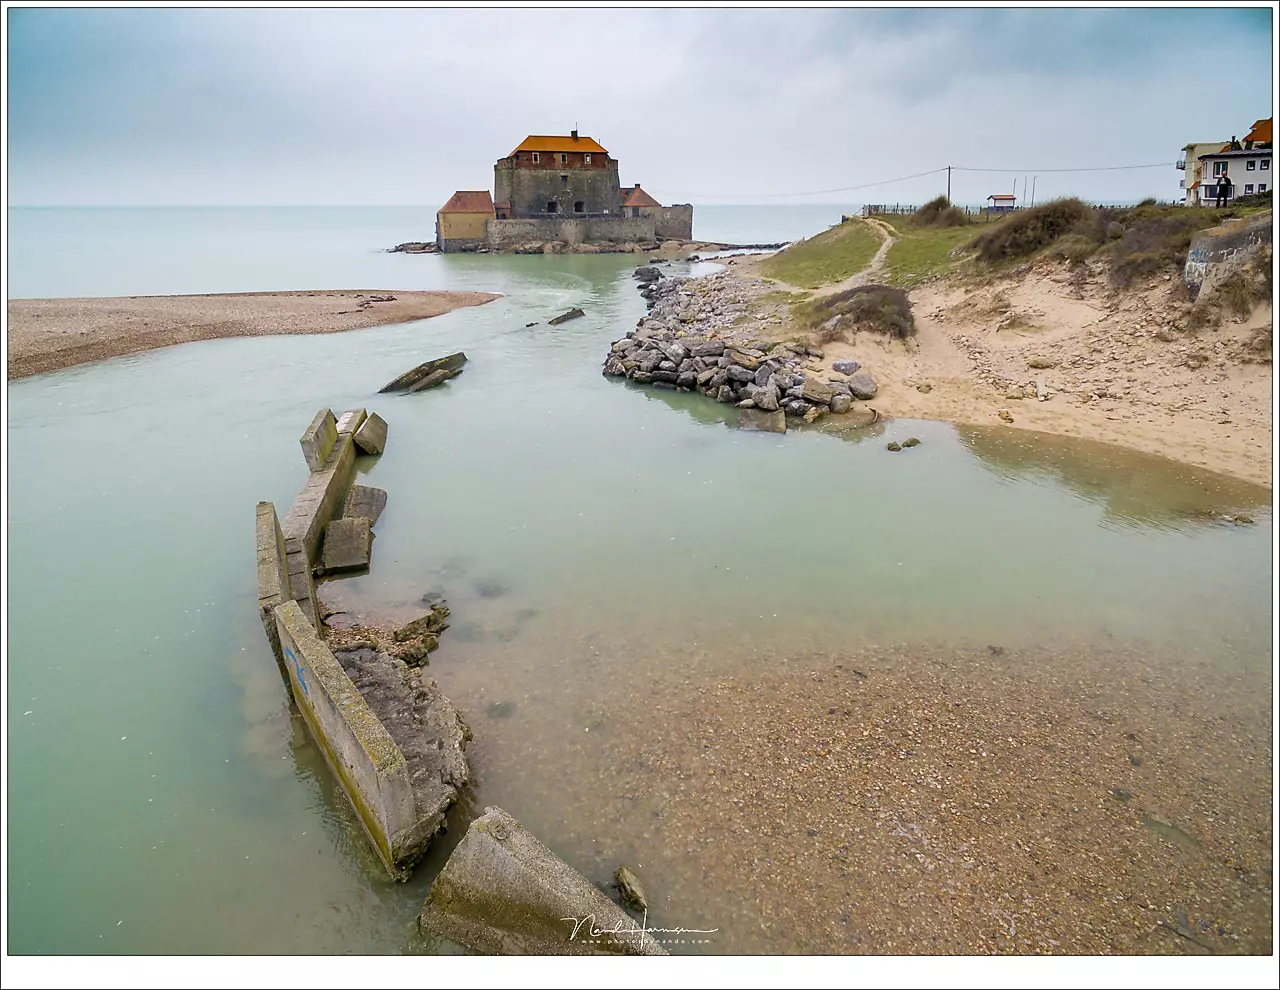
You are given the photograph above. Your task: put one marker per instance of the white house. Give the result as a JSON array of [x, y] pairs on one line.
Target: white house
[[1246, 164], [1190, 163], [1001, 203]]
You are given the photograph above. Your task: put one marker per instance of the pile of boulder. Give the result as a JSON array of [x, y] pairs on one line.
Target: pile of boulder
[[673, 349]]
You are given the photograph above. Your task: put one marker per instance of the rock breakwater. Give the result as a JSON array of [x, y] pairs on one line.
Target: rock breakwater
[[702, 334]]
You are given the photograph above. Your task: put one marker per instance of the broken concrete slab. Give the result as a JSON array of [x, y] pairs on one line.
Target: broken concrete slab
[[351, 420], [438, 377], [451, 362], [366, 502], [319, 439], [503, 892], [573, 314], [371, 438], [347, 544]]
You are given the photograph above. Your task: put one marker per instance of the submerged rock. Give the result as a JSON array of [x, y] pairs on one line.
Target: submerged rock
[[911, 442], [629, 887], [894, 446], [502, 892], [762, 420]]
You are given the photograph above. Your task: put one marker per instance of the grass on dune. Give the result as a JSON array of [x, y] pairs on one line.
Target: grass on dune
[[825, 258]]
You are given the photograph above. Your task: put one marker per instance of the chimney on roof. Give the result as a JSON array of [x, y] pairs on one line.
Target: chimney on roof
[[637, 185], [574, 132]]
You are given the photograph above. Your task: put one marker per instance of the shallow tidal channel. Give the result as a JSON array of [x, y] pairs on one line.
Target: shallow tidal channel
[[654, 620]]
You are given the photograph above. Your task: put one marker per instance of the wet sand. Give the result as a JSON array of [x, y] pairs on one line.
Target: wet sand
[[905, 800], [50, 334]]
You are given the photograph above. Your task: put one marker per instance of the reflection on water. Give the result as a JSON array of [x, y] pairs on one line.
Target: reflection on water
[[604, 549], [1135, 488]]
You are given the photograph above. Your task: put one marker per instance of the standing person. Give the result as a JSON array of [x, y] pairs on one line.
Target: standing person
[[1224, 190]]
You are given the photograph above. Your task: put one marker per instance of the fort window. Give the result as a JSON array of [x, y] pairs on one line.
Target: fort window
[[564, 159], [536, 158], [552, 207], [577, 207], [586, 159], [564, 181]]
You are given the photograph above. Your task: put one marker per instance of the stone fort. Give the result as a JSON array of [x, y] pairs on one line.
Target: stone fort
[[558, 189]]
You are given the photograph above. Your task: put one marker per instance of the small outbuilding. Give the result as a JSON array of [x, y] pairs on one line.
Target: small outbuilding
[[461, 222], [1002, 203]]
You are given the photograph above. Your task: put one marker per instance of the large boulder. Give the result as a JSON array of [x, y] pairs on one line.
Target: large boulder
[[451, 362], [503, 892], [863, 386], [762, 420], [845, 367], [817, 391]]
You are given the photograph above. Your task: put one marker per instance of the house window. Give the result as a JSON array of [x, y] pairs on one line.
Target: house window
[[586, 159], [564, 159], [1266, 164], [1251, 164], [635, 211], [552, 207], [578, 207], [1262, 187], [1248, 189], [564, 181], [1220, 168]]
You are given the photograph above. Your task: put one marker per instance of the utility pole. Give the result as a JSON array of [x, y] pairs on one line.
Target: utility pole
[[1033, 189], [948, 185]]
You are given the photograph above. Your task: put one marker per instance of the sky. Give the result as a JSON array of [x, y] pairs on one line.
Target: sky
[[746, 105]]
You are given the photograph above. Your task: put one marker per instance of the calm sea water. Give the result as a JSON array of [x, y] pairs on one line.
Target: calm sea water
[[161, 797]]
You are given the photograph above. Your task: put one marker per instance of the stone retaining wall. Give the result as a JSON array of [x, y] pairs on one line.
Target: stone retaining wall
[[1218, 250], [503, 233]]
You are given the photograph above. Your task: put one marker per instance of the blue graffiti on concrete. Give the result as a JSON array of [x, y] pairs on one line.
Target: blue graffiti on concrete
[[299, 670]]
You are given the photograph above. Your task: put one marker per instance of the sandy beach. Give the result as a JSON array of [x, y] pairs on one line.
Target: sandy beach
[[1119, 368], [50, 334]]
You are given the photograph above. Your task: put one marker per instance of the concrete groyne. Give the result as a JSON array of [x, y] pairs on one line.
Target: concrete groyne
[[399, 790]]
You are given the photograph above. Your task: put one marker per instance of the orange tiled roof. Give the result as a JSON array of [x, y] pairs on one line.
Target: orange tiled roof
[[558, 142], [1261, 133], [638, 197], [469, 201]]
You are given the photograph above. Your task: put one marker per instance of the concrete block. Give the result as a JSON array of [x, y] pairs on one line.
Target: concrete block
[[437, 377], [503, 892], [319, 439], [273, 575], [450, 362], [351, 420], [371, 438], [367, 502], [322, 498], [368, 764], [347, 544]]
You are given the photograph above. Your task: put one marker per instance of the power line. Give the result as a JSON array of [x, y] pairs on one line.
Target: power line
[[1101, 168], [921, 175], [819, 192]]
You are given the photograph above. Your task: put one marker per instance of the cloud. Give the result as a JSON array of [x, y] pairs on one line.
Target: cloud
[[406, 105]]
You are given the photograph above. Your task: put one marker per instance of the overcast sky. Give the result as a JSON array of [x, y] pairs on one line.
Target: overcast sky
[[710, 106]]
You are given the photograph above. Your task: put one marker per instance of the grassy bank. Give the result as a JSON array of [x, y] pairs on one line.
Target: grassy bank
[[923, 251], [825, 258]]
